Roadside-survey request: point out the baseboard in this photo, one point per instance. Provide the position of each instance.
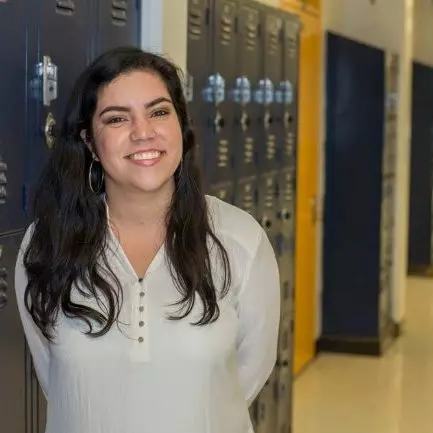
(420, 270)
(368, 347)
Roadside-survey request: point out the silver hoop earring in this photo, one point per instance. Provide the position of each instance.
(101, 182)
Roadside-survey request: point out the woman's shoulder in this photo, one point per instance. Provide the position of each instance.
(231, 222)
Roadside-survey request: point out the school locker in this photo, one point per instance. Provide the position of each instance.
(117, 24)
(12, 113)
(218, 151)
(247, 110)
(59, 50)
(288, 90)
(267, 405)
(12, 343)
(272, 108)
(199, 71)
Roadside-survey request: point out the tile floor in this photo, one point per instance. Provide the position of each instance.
(392, 394)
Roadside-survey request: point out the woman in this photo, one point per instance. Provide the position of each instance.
(148, 307)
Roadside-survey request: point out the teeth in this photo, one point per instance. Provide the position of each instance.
(145, 155)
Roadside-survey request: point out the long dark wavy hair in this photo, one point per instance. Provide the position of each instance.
(69, 239)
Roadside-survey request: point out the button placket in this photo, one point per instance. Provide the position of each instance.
(140, 352)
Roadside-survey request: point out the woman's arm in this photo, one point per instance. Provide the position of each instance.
(259, 313)
(38, 344)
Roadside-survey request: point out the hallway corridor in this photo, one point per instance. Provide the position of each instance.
(393, 394)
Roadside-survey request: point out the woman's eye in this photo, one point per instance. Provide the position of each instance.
(114, 120)
(160, 113)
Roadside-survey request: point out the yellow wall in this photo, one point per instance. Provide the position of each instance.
(310, 76)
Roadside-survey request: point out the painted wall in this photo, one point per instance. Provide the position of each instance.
(423, 47)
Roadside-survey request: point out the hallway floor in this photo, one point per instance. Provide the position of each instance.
(392, 394)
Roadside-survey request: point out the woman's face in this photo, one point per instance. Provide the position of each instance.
(137, 134)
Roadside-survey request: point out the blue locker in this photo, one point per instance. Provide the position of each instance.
(199, 70)
(218, 152)
(421, 179)
(248, 73)
(287, 92)
(117, 24)
(353, 200)
(59, 51)
(13, 117)
(267, 210)
(271, 128)
(13, 414)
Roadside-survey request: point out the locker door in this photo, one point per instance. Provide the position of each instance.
(12, 343)
(118, 24)
(267, 405)
(218, 156)
(12, 113)
(268, 207)
(288, 90)
(272, 77)
(247, 111)
(199, 70)
(61, 53)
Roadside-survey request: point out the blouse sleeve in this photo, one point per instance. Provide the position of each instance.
(38, 344)
(259, 315)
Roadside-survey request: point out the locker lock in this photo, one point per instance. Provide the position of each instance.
(284, 214)
(245, 121)
(219, 122)
(268, 120)
(288, 119)
(49, 130)
(266, 223)
(3, 288)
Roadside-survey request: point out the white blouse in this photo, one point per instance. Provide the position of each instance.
(152, 375)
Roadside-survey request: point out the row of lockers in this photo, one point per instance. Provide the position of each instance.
(361, 88)
(44, 44)
(243, 99)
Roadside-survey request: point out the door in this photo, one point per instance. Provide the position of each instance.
(61, 52)
(117, 24)
(420, 208)
(13, 19)
(12, 343)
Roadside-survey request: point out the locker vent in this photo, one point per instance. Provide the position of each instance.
(269, 193)
(274, 36)
(119, 12)
(226, 29)
(251, 36)
(65, 7)
(195, 23)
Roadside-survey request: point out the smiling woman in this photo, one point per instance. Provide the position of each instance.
(147, 306)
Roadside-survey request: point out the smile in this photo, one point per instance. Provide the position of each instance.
(145, 156)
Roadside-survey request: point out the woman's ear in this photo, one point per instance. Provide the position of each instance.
(85, 137)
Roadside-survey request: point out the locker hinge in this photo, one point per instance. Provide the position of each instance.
(236, 24)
